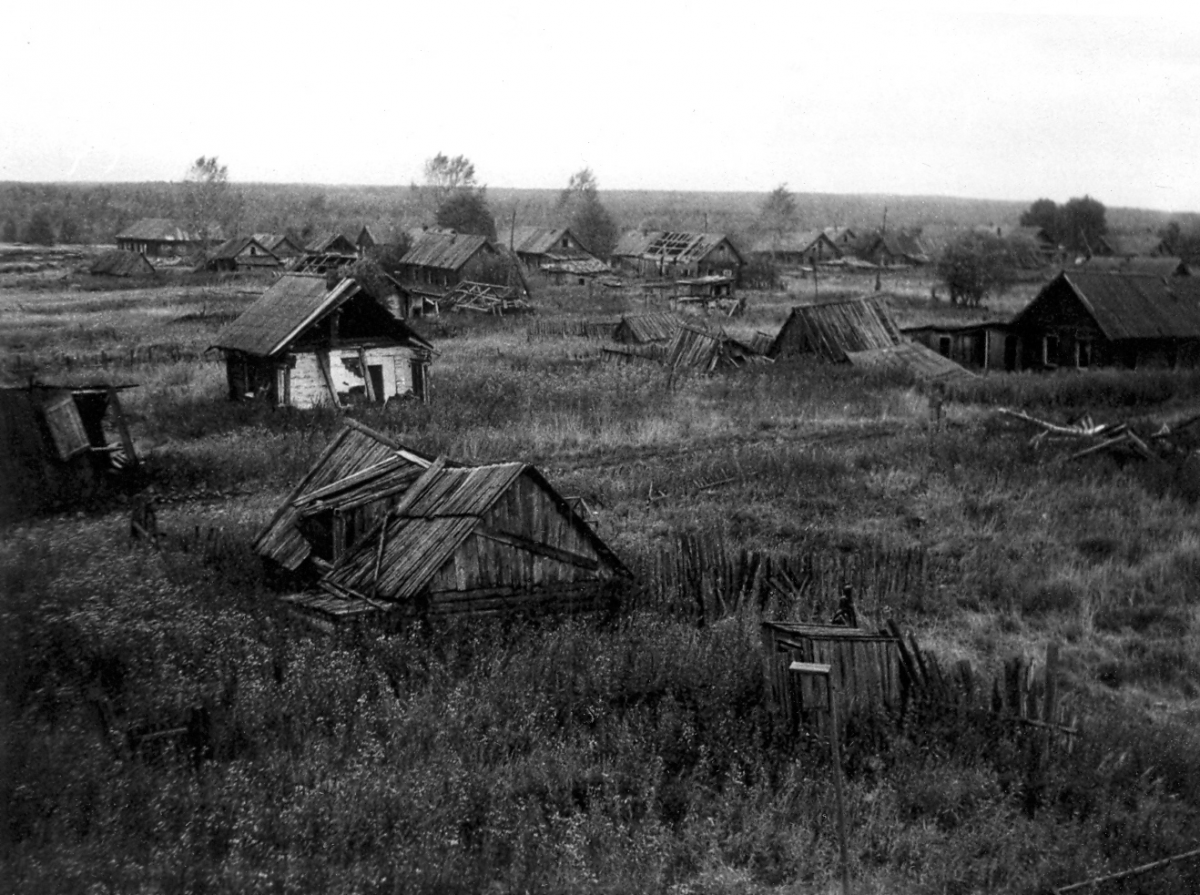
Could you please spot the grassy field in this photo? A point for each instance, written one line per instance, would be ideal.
(629, 753)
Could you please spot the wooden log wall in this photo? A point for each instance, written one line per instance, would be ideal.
(702, 577)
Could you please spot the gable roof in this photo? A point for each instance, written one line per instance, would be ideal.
(120, 263)
(671, 246)
(1130, 307)
(900, 244)
(291, 305)
(533, 240)
(446, 250)
(278, 243)
(231, 248)
(1131, 243)
(157, 230)
(437, 513)
(795, 242)
(331, 241)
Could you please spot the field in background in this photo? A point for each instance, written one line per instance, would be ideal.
(622, 754)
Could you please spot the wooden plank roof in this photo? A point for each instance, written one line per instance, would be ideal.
(641, 328)
(924, 363)
(157, 230)
(231, 248)
(449, 251)
(292, 304)
(671, 246)
(834, 328)
(119, 263)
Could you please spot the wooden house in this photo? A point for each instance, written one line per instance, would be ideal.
(444, 258)
(834, 328)
(304, 344)
(242, 253)
(675, 254)
(332, 242)
(803, 247)
(159, 237)
(390, 534)
(844, 238)
(973, 338)
(1081, 320)
(896, 249)
(62, 445)
(1130, 245)
(119, 263)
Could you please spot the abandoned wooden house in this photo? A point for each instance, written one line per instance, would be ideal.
(797, 248)
(280, 245)
(304, 344)
(832, 329)
(973, 338)
(444, 258)
(63, 445)
(156, 237)
(1081, 320)
(895, 249)
(120, 263)
(366, 241)
(708, 350)
(242, 253)
(391, 534)
(555, 252)
(674, 254)
(1130, 245)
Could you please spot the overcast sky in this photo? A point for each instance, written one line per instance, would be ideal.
(910, 98)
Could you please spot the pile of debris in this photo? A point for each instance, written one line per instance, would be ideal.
(1171, 442)
(485, 298)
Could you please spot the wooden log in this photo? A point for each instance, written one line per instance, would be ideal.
(1126, 874)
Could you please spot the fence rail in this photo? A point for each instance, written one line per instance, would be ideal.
(583, 329)
(140, 355)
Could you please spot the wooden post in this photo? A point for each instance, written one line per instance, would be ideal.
(122, 427)
(362, 359)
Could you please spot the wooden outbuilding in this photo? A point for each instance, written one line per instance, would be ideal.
(647, 329)
(159, 237)
(676, 254)
(834, 328)
(390, 534)
(973, 338)
(1081, 320)
(120, 263)
(305, 344)
(62, 445)
(709, 350)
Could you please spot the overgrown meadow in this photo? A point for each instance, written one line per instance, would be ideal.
(629, 752)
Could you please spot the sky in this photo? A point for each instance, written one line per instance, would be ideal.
(1037, 100)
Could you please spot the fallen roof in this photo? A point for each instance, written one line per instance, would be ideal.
(1132, 307)
(924, 363)
(670, 246)
(356, 459)
(448, 251)
(653, 327)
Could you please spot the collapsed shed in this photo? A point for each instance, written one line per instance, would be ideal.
(62, 445)
(391, 534)
(304, 344)
(706, 351)
(833, 329)
(120, 263)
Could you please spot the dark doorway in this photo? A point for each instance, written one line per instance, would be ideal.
(375, 371)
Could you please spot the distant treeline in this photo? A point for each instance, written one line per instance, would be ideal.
(95, 213)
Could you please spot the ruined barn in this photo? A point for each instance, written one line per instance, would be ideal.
(63, 445)
(647, 329)
(242, 253)
(708, 350)
(677, 254)
(390, 534)
(832, 329)
(304, 344)
(120, 263)
(1080, 320)
(156, 237)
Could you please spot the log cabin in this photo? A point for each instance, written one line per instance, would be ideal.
(304, 344)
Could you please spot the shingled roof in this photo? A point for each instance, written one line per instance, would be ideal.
(1130, 307)
(291, 305)
(449, 251)
(833, 329)
(119, 263)
(157, 230)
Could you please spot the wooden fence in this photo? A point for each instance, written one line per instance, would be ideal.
(140, 355)
(703, 578)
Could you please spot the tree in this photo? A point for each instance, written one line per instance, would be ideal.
(1043, 213)
(975, 265)
(444, 176)
(1083, 223)
(777, 216)
(580, 206)
(40, 230)
(466, 210)
(206, 199)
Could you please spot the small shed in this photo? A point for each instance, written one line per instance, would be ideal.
(865, 670)
(391, 534)
(120, 263)
(305, 344)
(834, 328)
(63, 445)
(708, 350)
(647, 329)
